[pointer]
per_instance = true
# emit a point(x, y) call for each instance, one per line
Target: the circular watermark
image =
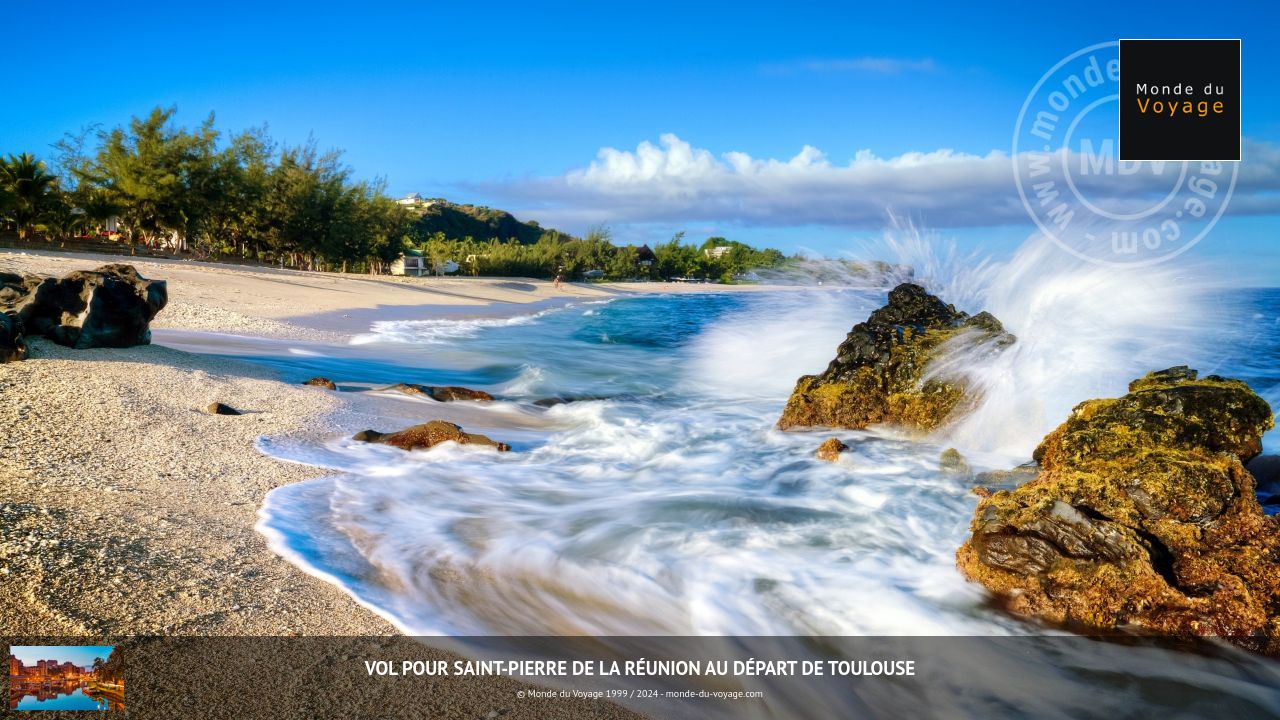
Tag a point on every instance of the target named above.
point(1093, 205)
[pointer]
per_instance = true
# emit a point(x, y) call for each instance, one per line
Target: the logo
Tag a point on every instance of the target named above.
point(1081, 195)
point(1180, 100)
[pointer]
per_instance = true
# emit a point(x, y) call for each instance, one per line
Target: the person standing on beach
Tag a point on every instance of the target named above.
point(559, 277)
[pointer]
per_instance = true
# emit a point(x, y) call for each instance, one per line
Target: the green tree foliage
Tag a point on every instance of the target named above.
point(457, 221)
point(161, 176)
point(212, 194)
point(29, 191)
point(558, 254)
point(242, 195)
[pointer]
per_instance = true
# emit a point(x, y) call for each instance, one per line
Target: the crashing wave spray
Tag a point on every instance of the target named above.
point(1084, 330)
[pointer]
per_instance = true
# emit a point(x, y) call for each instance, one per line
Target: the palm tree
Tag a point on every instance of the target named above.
point(29, 185)
point(99, 206)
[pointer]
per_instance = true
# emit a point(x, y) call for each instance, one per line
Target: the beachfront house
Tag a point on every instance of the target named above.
point(410, 262)
point(645, 256)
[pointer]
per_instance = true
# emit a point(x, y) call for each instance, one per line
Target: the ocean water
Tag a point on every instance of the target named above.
point(662, 501)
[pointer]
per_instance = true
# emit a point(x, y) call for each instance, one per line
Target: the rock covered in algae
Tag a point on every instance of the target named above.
point(953, 463)
point(440, 393)
point(1142, 517)
point(830, 449)
point(427, 435)
point(878, 374)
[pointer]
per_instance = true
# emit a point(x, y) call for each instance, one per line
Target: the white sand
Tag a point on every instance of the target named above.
point(125, 509)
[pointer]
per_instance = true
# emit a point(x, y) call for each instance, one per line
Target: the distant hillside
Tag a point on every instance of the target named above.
point(479, 222)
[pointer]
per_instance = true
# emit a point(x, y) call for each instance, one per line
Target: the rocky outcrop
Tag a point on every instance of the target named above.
point(878, 374)
point(830, 449)
point(13, 346)
point(109, 307)
point(1142, 517)
point(321, 382)
point(429, 434)
point(441, 393)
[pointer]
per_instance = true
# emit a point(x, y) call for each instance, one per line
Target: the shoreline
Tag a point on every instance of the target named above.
point(126, 510)
point(263, 301)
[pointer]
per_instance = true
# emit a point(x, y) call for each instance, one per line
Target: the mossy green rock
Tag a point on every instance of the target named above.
point(1142, 517)
point(878, 374)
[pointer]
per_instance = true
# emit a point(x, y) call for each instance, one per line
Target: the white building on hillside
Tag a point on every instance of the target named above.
point(415, 200)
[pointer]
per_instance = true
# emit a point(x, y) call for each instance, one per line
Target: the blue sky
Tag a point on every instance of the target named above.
point(80, 655)
point(498, 102)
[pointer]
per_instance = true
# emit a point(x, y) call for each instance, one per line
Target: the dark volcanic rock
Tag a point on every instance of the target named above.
point(221, 409)
point(1142, 516)
point(427, 435)
point(441, 393)
point(878, 373)
point(13, 346)
point(323, 382)
point(554, 401)
point(109, 307)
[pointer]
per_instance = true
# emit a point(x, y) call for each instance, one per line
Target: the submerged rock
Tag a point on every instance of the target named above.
point(878, 374)
point(441, 393)
point(323, 382)
point(427, 435)
point(830, 449)
point(109, 307)
point(952, 462)
point(1142, 516)
point(554, 401)
point(13, 346)
point(222, 409)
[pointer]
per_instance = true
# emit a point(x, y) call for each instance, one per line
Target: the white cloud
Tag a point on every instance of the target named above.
point(673, 181)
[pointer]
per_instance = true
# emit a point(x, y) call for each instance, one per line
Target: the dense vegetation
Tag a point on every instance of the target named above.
point(215, 195)
point(477, 221)
point(558, 254)
point(110, 670)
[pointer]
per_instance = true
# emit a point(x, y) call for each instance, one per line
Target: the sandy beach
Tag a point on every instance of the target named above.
point(128, 510)
point(270, 302)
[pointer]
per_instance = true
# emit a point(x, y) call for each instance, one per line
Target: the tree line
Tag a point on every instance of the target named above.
point(555, 253)
point(243, 195)
point(197, 190)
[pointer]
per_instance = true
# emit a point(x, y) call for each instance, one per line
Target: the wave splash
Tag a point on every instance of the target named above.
point(663, 501)
point(1084, 330)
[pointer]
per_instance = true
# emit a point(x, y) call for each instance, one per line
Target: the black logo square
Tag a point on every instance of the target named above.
point(1179, 99)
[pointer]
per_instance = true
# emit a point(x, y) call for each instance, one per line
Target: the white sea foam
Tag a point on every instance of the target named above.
point(440, 330)
point(673, 505)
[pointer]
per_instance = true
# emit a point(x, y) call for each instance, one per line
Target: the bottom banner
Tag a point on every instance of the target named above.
point(387, 678)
